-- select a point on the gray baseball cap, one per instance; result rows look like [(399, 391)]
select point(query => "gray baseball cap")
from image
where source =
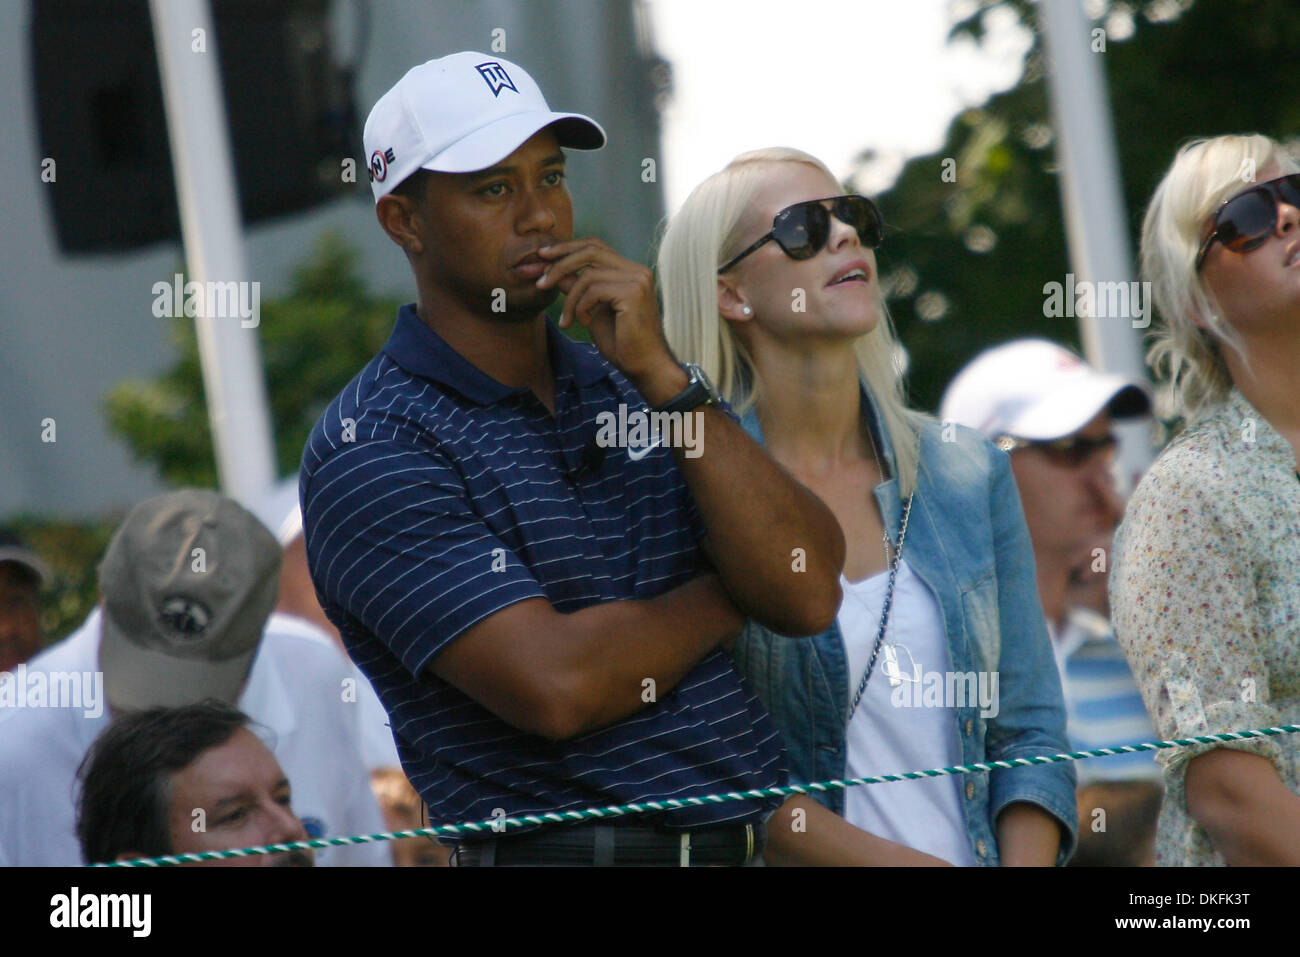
[(14, 549), (188, 582)]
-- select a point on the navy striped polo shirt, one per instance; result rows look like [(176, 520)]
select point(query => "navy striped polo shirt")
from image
[(434, 496)]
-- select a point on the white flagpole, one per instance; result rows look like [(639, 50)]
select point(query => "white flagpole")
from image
[(210, 226), (1094, 206)]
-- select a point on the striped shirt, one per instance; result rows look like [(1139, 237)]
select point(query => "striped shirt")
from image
[(433, 496), (1103, 705)]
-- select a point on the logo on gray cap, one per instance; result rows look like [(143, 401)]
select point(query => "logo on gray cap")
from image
[(184, 616)]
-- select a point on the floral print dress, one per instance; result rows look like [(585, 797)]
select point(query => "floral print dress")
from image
[(1205, 600)]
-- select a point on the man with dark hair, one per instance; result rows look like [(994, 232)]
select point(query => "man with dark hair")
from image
[(186, 587), (542, 610), (182, 781), (21, 575)]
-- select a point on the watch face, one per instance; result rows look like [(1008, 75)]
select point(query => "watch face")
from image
[(697, 374)]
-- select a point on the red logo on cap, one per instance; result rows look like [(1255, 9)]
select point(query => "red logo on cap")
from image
[(379, 161)]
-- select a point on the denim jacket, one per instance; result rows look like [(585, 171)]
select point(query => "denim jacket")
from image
[(967, 541)]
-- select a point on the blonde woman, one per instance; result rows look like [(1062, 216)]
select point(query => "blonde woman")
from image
[(939, 654), (1205, 587)]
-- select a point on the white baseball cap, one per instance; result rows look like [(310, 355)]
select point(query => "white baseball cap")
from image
[(1038, 390), (460, 114)]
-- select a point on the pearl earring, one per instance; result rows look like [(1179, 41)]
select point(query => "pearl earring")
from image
[(745, 310)]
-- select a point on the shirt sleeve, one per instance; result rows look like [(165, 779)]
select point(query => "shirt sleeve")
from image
[(395, 541), (1185, 611), (1031, 719)]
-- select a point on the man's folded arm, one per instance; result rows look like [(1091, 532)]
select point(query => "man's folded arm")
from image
[(395, 540), (561, 675)]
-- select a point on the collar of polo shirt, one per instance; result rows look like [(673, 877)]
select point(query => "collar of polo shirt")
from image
[(422, 352)]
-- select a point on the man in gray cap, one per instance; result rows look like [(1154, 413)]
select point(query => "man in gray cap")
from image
[(22, 573), (1052, 413), (186, 586)]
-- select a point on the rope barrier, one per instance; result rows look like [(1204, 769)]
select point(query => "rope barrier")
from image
[(500, 825)]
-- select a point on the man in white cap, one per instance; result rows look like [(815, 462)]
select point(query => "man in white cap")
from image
[(186, 586), (1052, 413), (536, 606)]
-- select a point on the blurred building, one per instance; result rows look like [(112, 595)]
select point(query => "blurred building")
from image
[(73, 325)]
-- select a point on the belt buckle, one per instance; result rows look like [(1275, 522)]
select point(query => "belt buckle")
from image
[(684, 859)]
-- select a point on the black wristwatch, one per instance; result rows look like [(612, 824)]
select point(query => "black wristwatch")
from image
[(699, 391)]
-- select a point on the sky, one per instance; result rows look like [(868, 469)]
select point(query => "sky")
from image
[(831, 77)]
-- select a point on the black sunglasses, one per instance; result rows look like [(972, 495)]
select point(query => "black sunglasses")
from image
[(1073, 450), (802, 230), (1245, 221)]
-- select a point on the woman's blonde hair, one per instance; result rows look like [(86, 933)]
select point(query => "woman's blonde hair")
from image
[(1185, 356), (703, 235)]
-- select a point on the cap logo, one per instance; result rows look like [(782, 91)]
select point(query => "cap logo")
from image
[(496, 77), (379, 164), (184, 616)]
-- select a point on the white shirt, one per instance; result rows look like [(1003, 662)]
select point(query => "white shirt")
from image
[(376, 734), (294, 689), (897, 728)]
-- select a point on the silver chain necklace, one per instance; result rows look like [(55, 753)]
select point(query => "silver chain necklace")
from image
[(894, 562), (893, 556)]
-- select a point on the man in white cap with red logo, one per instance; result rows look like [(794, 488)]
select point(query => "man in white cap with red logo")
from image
[(542, 614), (1052, 413)]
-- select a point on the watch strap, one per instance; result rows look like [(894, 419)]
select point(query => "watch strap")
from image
[(698, 392)]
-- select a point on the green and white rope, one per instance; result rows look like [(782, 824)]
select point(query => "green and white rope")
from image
[(502, 824)]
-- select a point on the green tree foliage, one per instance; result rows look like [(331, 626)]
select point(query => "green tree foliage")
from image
[(313, 342), (73, 551), (967, 260)]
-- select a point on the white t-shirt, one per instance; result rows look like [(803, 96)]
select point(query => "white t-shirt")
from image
[(377, 747), (891, 731), (294, 689)]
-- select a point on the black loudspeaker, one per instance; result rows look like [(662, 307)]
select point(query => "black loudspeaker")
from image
[(99, 109)]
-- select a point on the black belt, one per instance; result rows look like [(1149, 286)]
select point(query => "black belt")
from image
[(604, 845)]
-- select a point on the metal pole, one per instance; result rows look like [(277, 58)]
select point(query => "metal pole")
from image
[(1093, 204), (210, 227)]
